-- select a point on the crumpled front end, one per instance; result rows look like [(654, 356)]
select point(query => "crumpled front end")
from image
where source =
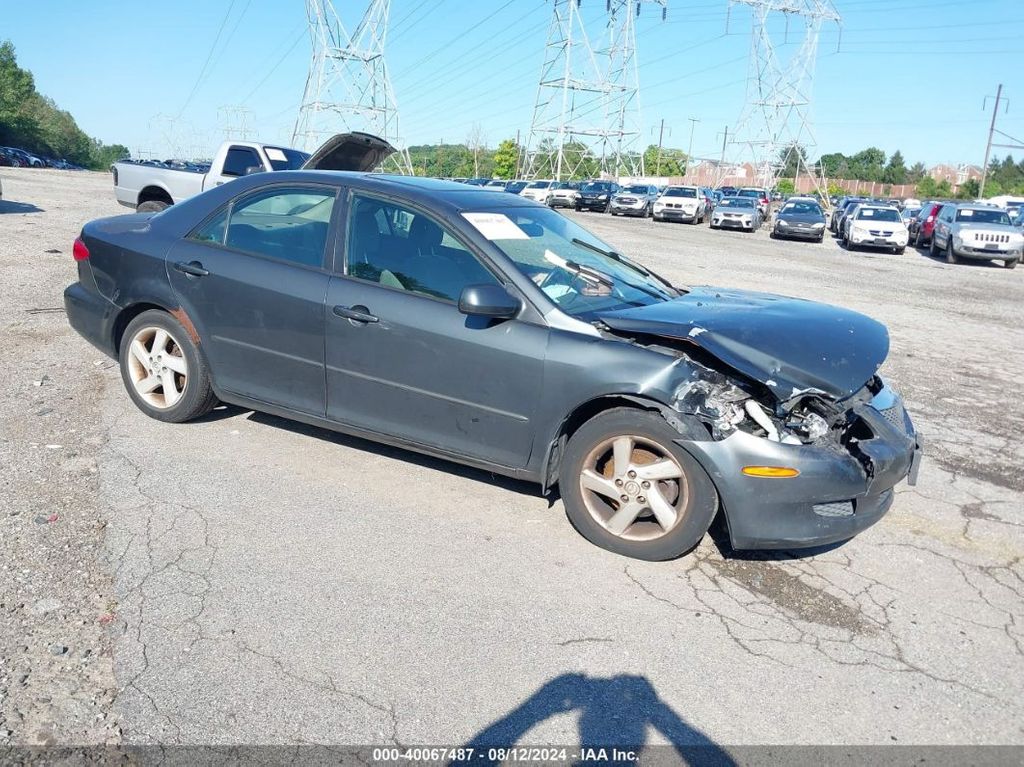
[(811, 473)]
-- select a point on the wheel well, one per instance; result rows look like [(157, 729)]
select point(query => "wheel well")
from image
[(154, 194), (128, 314), (579, 416)]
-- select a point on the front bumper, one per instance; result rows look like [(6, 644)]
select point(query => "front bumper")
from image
[(629, 209), (986, 254), (878, 242), (592, 204), (733, 223), (562, 202), (837, 493), (677, 214), (802, 232)]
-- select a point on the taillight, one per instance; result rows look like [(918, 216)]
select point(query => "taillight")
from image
[(79, 251)]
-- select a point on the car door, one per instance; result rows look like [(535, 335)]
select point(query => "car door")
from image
[(237, 162), (402, 360), (942, 224), (252, 280)]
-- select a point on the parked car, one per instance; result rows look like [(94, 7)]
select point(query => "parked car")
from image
[(681, 203), (920, 228), (844, 214), (150, 188), (516, 186), (565, 194), (728, 191), (875, 226), (597, 195), (837, 210), (330, 298), (801, 219), (635, 200), (709, 198), (737, 213), (539, 191), (8, 160), (976, 233), (27, 159), (760, 195), (495, 185)]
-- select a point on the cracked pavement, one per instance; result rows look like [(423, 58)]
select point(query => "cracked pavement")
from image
[(274, 583)]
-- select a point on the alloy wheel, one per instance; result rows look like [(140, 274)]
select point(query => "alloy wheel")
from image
[(634, 488), (157, 367)]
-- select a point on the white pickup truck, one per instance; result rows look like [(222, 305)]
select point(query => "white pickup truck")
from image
[(151, 187)]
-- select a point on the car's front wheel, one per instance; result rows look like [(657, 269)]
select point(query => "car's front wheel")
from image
[(1010, 263), (163, 371), (628, 488), (950, 253)]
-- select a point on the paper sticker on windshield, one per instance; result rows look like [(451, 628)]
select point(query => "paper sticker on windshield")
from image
[(867, 213), (495, 226), (276, 155), (966, 213)]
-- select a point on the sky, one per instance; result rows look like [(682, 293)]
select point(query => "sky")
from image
[(168, 78)]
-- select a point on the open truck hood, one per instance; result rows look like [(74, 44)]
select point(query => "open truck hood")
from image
[(788, 344), (350, 151)]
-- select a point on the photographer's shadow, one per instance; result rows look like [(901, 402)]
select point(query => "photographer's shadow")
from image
[(614, 713)]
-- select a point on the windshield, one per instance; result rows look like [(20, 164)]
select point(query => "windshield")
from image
[(878, 214), (602, 187), (285, 159), (563, 259), (634, 190), (795, 208), (678, 191), (983, 216), (736, 202), (751, 193), (539, 185)]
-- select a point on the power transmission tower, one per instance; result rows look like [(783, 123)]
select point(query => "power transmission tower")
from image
[(776, 119), (234, 120), (348, 88), (586, 118)]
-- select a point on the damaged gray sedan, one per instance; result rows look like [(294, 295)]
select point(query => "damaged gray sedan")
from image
[(499, 334)]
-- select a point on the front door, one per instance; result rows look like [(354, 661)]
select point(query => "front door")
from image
[(252, 281), (403, 360)]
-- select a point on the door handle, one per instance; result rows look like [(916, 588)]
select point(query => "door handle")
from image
[(355, 313), (192, 268)]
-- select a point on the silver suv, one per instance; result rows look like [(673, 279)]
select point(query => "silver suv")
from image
[(976, 232)]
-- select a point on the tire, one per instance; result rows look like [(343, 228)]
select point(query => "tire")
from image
[(1010, 263), (899, 251), (917, 240), (190, 375), (689, 497), (649, 211), (950, 253), (933, 249), (151, 206), (821, 239), (579, 209)]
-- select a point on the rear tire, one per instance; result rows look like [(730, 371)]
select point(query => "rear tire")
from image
[(165, 374), (152, 206), (676, 511), (933, 249), (899, 251), (950, 253)]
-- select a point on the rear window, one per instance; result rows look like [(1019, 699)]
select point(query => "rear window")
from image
[(602, 187), (539, 185)]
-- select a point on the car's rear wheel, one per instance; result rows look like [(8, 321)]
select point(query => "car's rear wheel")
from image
[(933, 248), (151, 206), (628, 488), (163, 371), (950, 253)]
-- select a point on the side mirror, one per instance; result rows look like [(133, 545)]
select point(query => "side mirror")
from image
[(488, 301), (253, 169)]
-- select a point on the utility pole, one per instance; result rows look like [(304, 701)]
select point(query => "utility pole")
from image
[(720, 175), (519, 154), (988, 146), (689, 151), (661, 135)]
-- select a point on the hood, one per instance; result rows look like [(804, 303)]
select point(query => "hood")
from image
[(350, 151), (806, 218), (787, 344)]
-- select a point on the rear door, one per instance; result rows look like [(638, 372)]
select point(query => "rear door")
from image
[(401, 358), (252, 280)]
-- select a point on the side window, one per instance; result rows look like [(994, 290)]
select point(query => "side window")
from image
[(289, 224), (213, 230), (238, 159), (404, 249)]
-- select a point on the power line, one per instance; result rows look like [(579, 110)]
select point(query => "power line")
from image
[(195, 87)]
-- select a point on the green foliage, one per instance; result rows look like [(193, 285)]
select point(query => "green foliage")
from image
[(793, 158), (506, 159), (896, 171), (930, 188), (672, 162), (785, 186), (35, 123)]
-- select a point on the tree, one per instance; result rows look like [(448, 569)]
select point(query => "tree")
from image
[(867, 165), (785, 186), (671, 163), (896, 170), (916, 173), (792, 158), (506, 159), (969, 189)]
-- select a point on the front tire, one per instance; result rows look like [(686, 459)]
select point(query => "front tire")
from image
[(1010, 263), (162, 369), (950, 253), (630, 454), (933, 248)]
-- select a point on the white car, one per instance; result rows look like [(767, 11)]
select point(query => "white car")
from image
[(563, 195), (875, 226), (495, 185), (681, 203), (539, 191)]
